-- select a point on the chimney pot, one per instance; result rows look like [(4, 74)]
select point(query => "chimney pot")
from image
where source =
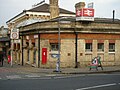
[(80, 5), (113, 15)]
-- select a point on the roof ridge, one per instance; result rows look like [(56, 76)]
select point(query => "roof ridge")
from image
[(45, 8), (38, 6)]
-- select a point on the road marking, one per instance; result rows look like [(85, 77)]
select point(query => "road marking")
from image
[(61, 77), (13, 77), (50, 75), (93, 87), (44, 78), (32, 76)]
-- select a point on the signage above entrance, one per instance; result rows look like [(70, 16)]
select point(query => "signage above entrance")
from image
[(85, 14)]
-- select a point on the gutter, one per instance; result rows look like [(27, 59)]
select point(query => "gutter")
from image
[(16, 17)]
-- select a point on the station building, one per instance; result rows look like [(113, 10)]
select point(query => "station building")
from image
[(80, 41)]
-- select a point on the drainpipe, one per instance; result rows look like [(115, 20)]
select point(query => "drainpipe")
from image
[(38, 50), (22, 51), (76, 46)]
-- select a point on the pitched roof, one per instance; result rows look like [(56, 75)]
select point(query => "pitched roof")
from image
[(42, 8), (45, 8)]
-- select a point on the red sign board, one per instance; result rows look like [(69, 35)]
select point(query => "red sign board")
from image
[(85, 12)]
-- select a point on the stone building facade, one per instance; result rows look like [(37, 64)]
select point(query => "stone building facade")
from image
[(40, 13), (80, 42)]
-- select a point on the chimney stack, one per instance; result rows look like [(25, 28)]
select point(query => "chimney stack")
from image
[(80, 5), (54, 9)]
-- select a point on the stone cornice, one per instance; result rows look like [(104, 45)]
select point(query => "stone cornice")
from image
[(52, 27)]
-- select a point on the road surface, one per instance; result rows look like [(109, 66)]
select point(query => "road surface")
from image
[(63, 82)]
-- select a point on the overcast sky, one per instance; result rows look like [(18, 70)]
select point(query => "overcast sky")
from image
[(103, 8)]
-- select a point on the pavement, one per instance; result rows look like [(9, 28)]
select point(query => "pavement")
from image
[(27, 72), (17, 74), (29, 69)]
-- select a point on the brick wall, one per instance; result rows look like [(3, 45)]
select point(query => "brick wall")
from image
[(68, 49)]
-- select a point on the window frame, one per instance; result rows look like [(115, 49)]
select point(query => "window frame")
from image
[(54, 47), (100, 47), (88, 47), (113, 47)]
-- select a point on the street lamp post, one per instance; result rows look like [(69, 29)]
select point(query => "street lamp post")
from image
[(60, 20), (58, 62)]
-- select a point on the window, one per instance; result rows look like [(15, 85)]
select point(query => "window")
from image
[(88, 47), (111, 47), (54, 46), (100, 47)]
